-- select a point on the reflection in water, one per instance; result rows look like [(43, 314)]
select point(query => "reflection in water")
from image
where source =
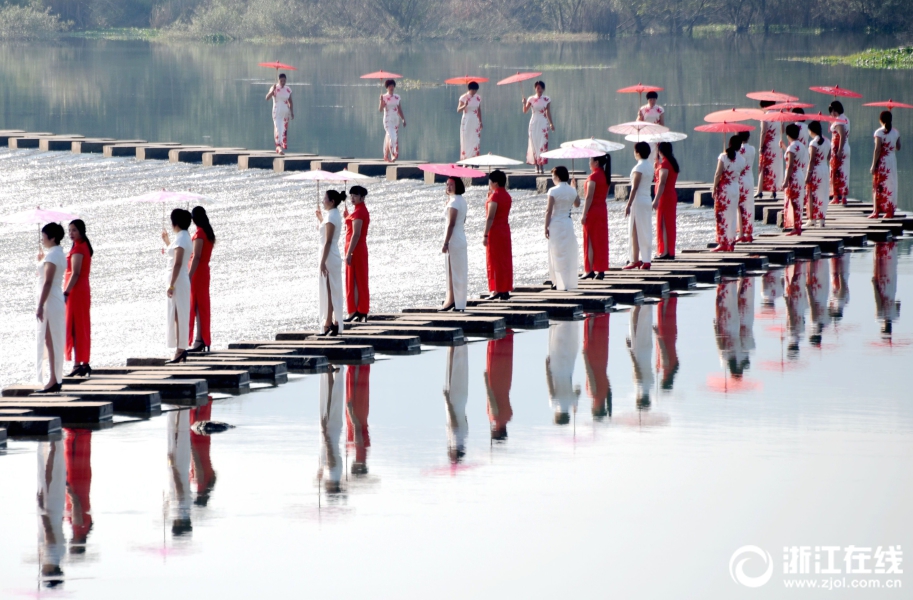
[(179, 502), (796, 305), (816, 286), (331, 409), (772, 287), (596, 361), (51, 500), (884, 282), (78, 444), (456, 395), (746, 316), (499, 370), (666, 338), (733, 325), (563, 342), (201, 471), (640, 346), (840, 286), (358, 401)]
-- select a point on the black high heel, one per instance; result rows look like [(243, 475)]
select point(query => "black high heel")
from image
[(353, 317), (363, 317), (86, 371), (447, 308), (53, 389), (600, 276), (76, 372), (326, 332), (590, 275), (334, 330), (201, 348), (181, 358)]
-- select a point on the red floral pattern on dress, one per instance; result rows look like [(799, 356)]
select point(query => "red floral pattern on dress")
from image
[(538, 130), (792, 207), (391, 127), (816, 188), (767, 157), (470, 127), (884, 180), (746, 204), (725, 202), (839, 163)]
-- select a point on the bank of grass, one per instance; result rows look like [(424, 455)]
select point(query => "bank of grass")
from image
[(892, 58), (117, 33), (29, 23)]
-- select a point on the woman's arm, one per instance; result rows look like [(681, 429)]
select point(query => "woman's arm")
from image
[(356, 237), (402, 115), (660, 187), (877, 155), (75, 272), (451, 223), (548, 213), (790, 168), (195, 258), (331, 229), (49, 270), (526, 105), (898, 144), (635, 185), (662, 119), (271, 92), (480, 124), (175, 269), (717, 176), (319, 217), (291, 108), (548, 115), (492, 210), (381, 109), (577, 196), (590, 188), (461, 104), (842, 131)]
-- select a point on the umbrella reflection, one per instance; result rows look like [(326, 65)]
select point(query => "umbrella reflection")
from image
[(358, 401), (499, 369), (179, 500), (666, 339), (331, 409), (596, 361), (884, 282), (816, 287), (640, 346), (78, 454), (563, 344), (840, 286), (796, 305), (51, 499), (456, 395), (202, 473)]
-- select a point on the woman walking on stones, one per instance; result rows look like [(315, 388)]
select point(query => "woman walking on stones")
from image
[(817, 185), (283, 112), (840, 154), (884, 167), (726, 188), (78, 297), (390, 105), (539, 124), (470, 105)]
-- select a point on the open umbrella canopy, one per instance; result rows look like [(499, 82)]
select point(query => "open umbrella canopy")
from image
[(348, 175), (789, 105), (889, 104), (315, 175), (37, 216), (166, 197), (639, 89), (732, 115), (822, 117), (489, 160), (655, 138), (572, 152), (277, 65), (783, 117), (381, 75), (519, 77), (465, 79), (451, 170), (772, 96), (604, 146), (642, 127), (724, 127), (835, 90)]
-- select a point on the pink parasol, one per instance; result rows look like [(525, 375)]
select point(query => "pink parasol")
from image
[(835, 90), (518, 78), (166, 197), (451, 170), (789, 105), (889, 104), (772, 96), (638, 128), (639, 89), (37, 216), (734, 114), (277, 65), (465, 80), (724, 128), (822, 117), (318, 176), (381, 75), (572, 153)]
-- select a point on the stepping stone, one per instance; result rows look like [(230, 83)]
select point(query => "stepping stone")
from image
[(127, 401), (131, 148), (724, 266), (10, 137), (675, 282), (334, 352), (800, 249), (275, 371), (751, 262), (163, 152), (285, 164), (33, 140), (67, 408), (97, 145), (471, 324), (170, 390), (426, 333), (215, 379), (30, 426), (702, 274), (563, 312), (599, 301), (258, 160), (375, 168), (833, 245), (58, 144), (396, 172), (191, 155), (515, 319)]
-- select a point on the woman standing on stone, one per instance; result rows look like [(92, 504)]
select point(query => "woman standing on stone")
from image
[(470, 105), (794, 180), (51, 312), (539, 124), (666, 202), (726, 189), (390, 105), (78, 297), (498, 250), (884, 167), (283, 112), (746, 187), (330, 269), (178, 313), (840, 154), (358, 295), (559, 231), (454, 248), (770, 163), (595, 219), (817, 185), (200, 311), (638, 210)]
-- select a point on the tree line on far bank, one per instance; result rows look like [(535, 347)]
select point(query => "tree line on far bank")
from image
[(411, 19)]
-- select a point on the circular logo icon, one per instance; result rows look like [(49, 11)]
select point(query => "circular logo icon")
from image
[(737, 566)]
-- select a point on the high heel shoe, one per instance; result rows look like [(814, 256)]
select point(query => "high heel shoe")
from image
[(180, 358), (334, 330), (600, 275), (633, 265), (353, 317), (76, 372), (362, 317), (447, 308), (590, 275), (53, 389), (201, 348), (326, 331)]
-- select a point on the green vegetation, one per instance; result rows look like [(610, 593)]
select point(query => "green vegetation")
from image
[(29, 23), (893, 58), (117, 33)]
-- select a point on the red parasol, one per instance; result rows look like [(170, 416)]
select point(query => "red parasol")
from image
[(889, 104), (835, 90), (783, 117), (465, 79), (772, 96), (381, 75), (724, 127), (734, 114), (822, 117), (639, 89), (518, 78), (451, 170), (277, 65), (789, 105)]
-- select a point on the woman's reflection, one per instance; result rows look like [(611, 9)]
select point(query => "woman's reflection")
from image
[(727, 327), (456, 394), (499, 370), (746, 317), (796, 305), (596, 360), (358, 401), (640, 346), (840, 286), (51, 499), (78, 453), (666, 338), (816, 284), (563, 344), (180, 500), (331, 409), (201, 472), (772, 287), (884, 282)]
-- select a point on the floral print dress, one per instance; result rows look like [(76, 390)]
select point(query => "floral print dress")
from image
[(538, 130), (770, 164), (818, 186), (884, 181), (391, 126), (470, 126), (840, 161), (726, 201)]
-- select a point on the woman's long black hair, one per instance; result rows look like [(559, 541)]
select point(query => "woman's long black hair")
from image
[(201, 220), (735, 142), (665, 148), (888, 119), (80, 226), (605, 163)]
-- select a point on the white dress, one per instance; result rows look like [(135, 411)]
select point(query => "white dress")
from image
[(746, 190), (640, 221), (818, 187), (538, 130), (179, 455), (770, 160), (885, 179), (795, 187), (282, 112), (562, 240), (563, 347), (334, 268), (470, 126), (456, 262), (54, 314), (332, 407), (178, 306), (640, 334), (391, 126), (456, 396)]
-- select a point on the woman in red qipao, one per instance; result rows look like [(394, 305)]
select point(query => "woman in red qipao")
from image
[(358, 404), (595, 219), (78, 454), (498, 252), (666, 202), (203, 240), (358, 296), (596, 361), (78, 297), (202, 473), (499, 371)]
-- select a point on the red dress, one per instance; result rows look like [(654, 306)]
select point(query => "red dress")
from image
[(201, 471), (596, 228), (667, 337), (596, 360), (499, 370), (357, 272), (79, 303), (499, 256), (199, 290), (665, 212), (358, 403), (78, 454)]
